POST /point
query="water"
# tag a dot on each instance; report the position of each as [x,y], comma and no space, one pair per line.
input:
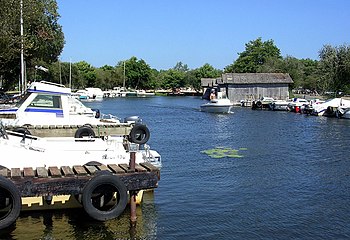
[292,182]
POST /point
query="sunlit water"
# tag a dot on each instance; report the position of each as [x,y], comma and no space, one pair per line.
[292,181]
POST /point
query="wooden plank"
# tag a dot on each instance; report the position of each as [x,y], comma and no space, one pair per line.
[42,172]
[54,172]
[67,171]
[103,168]
[149,167]
[4,172]
[139,168]
[28,172]
[79,170]
[115,168]
[125,167]
[15,173]
[91,169]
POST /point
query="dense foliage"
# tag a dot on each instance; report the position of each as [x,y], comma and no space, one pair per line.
[44,40]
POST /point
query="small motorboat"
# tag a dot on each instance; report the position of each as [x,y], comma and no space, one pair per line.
[50,109]
[22,151]
[34,151]
[329,108]
[220,104]
[279,105]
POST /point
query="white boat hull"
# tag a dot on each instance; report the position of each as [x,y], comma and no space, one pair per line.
[219,105]
[216,108]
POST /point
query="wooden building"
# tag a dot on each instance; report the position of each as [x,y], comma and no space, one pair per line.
[252,86]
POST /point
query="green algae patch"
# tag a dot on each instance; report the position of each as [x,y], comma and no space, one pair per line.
[223,152]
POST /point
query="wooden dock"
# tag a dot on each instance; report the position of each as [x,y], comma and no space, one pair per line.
[86,181]
[121,129]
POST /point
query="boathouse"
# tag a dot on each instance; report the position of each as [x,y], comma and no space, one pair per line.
[251,86]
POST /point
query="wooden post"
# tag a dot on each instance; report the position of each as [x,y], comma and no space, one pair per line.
[133,217]
[132,161]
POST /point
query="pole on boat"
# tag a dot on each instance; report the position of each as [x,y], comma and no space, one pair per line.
[22,51]
[133,148]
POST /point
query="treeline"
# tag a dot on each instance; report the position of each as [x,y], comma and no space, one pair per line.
[133,73]
[43,42]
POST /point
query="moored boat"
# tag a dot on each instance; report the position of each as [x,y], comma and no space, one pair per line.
[297,105]
[329,108]
[49,109]
[30,152]
[219,104]
[279,105]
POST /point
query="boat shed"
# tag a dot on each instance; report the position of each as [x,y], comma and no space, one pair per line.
[253,86]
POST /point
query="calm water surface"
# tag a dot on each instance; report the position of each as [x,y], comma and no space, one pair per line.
[293,181]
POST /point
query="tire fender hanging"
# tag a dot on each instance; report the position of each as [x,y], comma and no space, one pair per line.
[139,134]
[9,190]
[111,182]
[84,131]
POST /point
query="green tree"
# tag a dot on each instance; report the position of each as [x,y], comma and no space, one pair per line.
[335,68]
[137,73]
[43,37]
[256,54]
[86,76]
[206,71]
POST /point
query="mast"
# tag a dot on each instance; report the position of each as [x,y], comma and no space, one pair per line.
[23,87]
[70,73]
[124,77]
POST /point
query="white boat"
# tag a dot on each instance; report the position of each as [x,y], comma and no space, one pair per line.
[33,151]
[90,94]
[27,151]
[220,104]
[49,109]
[279,105]
[94,94]
[330,107]
[343,112]
[144,93]
[297,105]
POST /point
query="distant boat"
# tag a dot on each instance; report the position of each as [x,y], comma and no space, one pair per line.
[220,104]
[279,105]
[330,107]
[144,93]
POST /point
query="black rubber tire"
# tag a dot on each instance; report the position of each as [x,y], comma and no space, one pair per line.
[109,183]
[84,131]
[9,190]
[22,130]
[258,104]
[93,163]
[139,134]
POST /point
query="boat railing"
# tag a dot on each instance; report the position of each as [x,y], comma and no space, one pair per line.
[53,84]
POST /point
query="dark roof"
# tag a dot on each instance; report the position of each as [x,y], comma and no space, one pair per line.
[255,78]
[210,82]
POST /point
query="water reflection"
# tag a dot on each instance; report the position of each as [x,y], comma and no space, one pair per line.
[75,224]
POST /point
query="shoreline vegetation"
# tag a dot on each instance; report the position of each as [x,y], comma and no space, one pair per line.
[41,49]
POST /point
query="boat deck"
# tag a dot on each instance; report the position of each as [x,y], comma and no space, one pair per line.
[121,129]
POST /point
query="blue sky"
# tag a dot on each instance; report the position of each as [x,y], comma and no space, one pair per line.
[195,32]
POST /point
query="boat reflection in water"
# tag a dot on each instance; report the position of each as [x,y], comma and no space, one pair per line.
[63,224]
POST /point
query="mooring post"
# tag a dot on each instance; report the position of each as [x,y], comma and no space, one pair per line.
[133,217]
[133,148]
[132,161]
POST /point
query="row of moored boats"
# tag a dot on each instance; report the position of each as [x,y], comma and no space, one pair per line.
[335,107]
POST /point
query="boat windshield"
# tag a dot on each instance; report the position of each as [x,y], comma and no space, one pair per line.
[22,100]
[3,133]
